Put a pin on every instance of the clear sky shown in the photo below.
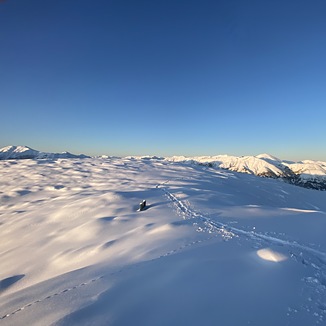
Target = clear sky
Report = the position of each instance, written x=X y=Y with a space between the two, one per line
x=164 y=77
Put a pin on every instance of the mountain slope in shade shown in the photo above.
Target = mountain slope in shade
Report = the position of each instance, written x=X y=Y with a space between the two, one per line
x=25 y=152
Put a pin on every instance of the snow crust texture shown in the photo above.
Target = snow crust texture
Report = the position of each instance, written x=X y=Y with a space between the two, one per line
x=212 y=247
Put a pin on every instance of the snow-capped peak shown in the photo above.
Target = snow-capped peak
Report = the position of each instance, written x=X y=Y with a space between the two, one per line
x=268 y=157
x=25 y=152
x=17 y=152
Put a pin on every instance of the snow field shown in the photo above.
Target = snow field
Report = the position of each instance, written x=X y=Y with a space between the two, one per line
x=211 y=247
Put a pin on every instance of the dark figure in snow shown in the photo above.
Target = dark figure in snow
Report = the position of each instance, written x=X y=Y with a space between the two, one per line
x=142 y=205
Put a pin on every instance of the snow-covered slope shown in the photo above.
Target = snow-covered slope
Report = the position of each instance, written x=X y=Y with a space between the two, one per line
x=24 y=152
x=17 y=152
x=213 y=247
x=310 y=174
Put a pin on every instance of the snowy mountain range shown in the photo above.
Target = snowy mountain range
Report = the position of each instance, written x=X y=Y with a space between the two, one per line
x=307 y=173
x=24 y=152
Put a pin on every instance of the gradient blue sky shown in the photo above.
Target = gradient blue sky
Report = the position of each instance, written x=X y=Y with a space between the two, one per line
x=164 y=77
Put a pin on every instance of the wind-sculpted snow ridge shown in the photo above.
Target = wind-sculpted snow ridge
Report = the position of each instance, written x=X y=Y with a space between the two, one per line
x=24 y=152
x=308 y=174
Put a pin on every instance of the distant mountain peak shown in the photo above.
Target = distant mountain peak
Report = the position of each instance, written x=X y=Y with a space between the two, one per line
x=268 y=157
x=25 y=152
x=17 y=149
x=17 y=152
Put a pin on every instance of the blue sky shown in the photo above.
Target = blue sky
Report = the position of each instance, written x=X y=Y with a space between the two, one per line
x=165 y=77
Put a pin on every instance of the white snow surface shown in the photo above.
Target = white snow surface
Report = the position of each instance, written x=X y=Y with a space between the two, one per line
x=212 y=247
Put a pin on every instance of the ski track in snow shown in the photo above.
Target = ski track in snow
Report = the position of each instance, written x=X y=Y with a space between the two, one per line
x=317 y=282
x=229 y=231
x=298 y=252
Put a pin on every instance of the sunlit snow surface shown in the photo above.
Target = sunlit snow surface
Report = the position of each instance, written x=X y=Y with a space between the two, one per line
x=211 y=248
x=271 y=255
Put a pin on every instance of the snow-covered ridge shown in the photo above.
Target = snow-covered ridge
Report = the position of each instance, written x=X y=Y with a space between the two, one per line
x=309 y=174
x=245 y=164
x=24 y=152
